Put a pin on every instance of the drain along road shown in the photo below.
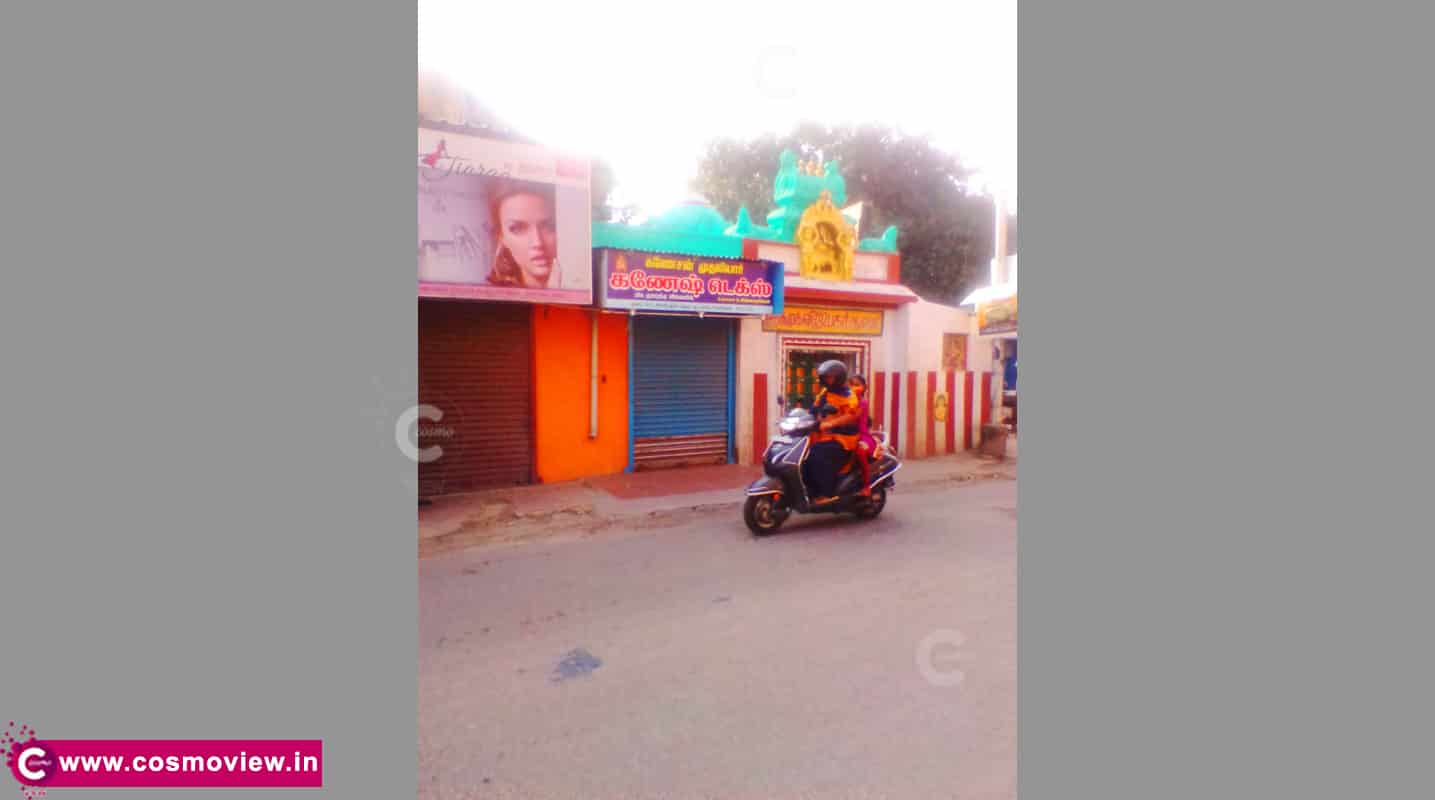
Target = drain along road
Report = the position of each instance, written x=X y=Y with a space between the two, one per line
x=837 y=659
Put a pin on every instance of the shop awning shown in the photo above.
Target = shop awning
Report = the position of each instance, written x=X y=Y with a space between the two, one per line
x=987 y=294
x=889 y=295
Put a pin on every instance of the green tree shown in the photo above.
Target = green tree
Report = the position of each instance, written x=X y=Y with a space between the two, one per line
x=604 y=208
x=946 y=228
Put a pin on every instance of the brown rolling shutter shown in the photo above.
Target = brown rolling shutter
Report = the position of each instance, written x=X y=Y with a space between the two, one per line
x=475 y=364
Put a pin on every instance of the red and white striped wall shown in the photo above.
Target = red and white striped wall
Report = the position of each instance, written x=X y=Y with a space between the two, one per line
x=906 y=405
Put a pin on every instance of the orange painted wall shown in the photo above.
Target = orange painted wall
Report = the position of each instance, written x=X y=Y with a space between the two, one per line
x=562 y=339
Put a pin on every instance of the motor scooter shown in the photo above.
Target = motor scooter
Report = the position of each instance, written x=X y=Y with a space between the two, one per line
x=783 y=489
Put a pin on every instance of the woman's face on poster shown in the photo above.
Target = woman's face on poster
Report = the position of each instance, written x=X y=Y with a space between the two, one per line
x=529 y=232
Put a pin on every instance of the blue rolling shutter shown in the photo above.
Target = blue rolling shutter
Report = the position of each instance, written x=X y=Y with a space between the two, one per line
x=680 y=391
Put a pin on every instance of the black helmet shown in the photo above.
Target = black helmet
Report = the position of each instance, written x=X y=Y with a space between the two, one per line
x=835 y=370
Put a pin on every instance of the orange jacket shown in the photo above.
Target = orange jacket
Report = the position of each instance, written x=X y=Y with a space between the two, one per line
x=844 y=405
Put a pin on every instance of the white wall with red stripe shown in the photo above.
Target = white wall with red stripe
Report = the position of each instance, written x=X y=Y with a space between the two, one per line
x=910 y=388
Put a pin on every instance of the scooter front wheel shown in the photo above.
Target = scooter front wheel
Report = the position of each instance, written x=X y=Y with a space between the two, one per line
x=762 y=515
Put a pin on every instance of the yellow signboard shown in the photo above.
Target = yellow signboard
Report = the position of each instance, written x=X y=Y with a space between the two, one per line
x=997 y=316
x=954 y=352
x=851 y=321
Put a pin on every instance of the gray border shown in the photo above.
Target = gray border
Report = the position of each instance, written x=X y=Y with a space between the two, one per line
x=1218 y=593
x=209 y=325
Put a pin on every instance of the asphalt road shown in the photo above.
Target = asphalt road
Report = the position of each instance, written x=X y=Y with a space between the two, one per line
x=696 y=661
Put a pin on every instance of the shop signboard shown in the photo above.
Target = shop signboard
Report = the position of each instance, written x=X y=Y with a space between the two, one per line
x=843 y=321
x=502 y=221
x=997 y=316
x=638 y=281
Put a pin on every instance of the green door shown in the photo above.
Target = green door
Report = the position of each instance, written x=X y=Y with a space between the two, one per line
x=802 y=382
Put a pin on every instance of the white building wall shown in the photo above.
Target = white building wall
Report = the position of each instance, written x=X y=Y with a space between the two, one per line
x=924 y=325
x=757 y=351
x=911 y=342
x=785 y=253
x=870 y=266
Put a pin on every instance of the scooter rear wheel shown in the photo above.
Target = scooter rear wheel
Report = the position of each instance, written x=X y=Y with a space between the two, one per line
x=874 y=504
x=762 y=515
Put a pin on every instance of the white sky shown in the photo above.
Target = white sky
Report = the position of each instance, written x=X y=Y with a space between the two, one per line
x=646 y=85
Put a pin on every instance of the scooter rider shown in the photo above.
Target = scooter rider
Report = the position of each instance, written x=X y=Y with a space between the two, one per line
x=832 y=447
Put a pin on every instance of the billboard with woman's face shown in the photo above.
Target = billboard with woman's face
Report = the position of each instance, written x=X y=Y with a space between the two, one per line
x=502 y=221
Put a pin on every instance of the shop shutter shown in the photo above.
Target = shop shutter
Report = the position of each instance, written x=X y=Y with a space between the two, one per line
x=475 y=364
x=681 y=387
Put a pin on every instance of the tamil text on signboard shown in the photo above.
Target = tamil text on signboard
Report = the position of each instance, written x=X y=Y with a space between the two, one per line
x=805 y=319
x=628 y=279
